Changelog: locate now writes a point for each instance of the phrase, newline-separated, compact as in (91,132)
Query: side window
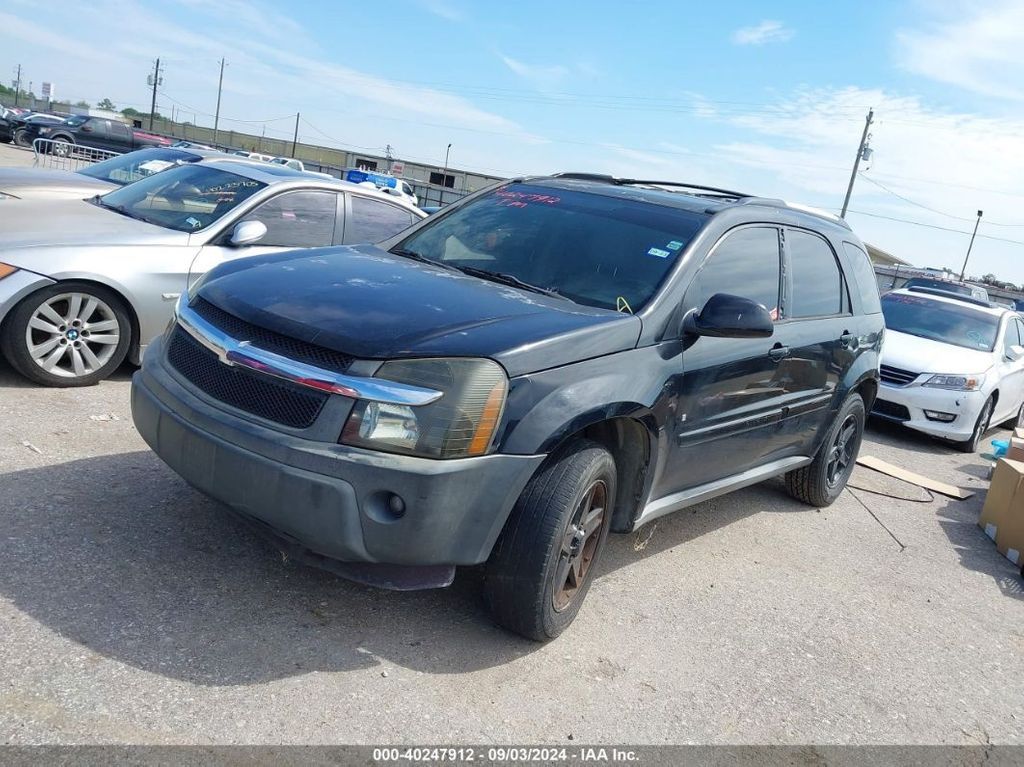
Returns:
(374,220)
(815,276)
(97,125)
(118,130)
(1012,336)
(745,263)
(298,219)
(865,279)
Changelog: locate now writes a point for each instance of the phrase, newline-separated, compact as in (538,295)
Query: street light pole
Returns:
(856,161)
(970,245)
(216,116)
(444,175)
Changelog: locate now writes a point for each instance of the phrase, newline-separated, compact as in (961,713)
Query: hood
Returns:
(40,183)
(369,303)
(75,223)
(922,355)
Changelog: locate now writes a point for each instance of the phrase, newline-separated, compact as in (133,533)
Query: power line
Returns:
(925,207)
(934,226)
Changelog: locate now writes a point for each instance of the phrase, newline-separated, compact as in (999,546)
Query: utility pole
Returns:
(17,86)
(388,156)
(856,161)
(970,245)
(444,175)
(154,79)
(216,116)
(295,139)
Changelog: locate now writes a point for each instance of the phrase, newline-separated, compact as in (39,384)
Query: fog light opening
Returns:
(938,415)
(385,506)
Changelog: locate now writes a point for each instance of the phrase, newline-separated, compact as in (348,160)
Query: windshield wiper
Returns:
(510,279)
(124,210)
(421,258)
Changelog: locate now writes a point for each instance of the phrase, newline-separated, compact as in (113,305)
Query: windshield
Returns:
(187,198)
(597,250)
(949,287)
(941,321)
(131,167)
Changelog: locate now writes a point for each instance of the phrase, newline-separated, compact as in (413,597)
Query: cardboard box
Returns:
(1002,517)
(1016,450)
(1019,432)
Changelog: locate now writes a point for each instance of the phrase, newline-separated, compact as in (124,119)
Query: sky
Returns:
(765,98)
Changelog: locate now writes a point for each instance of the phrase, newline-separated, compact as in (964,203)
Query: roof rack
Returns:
(950,294)
(649,182)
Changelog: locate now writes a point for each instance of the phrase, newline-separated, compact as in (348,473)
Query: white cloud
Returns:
(978,49)
(950,162)
(767,31)
(442,9)
(541,75)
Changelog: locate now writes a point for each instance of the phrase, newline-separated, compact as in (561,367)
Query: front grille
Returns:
(890,410)
(897,376)
(294,349)
(277,401)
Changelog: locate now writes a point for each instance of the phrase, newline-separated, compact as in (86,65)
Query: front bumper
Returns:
(328,498)
(966,405)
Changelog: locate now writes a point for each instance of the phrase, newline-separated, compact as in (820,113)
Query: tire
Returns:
(980,427)
(543,563)
(821,482)
(21,138)
(1016,420)
(89,322)
(62,146)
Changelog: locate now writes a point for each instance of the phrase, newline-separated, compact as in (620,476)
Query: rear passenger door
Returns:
(372,220)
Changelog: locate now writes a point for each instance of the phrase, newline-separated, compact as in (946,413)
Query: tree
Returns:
(106,104)
(83,104)
(129,112)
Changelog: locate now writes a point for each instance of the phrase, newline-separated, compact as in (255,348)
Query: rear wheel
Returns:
(68,334)
(543,563)
(980,427)
(821,482)
(21,138)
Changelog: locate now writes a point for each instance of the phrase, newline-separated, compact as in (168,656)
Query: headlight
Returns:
(461,423)
(6,270)
(959,383)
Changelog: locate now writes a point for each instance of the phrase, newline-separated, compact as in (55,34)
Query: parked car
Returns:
(951,367)
(948,286)
(517,375)
(98,178)
(93,132)
(86,283)
(17,128)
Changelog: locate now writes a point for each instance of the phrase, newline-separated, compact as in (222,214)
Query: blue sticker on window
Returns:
(658,252)
(674,245)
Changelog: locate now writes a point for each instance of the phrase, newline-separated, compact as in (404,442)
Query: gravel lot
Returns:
(134,610)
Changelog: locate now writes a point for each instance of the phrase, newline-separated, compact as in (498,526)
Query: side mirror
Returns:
(247,233)
(1015,352)
(86,129)
(728,316)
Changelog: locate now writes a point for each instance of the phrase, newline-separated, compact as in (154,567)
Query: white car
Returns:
(952,366)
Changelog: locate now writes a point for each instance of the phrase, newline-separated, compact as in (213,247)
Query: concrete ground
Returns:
(132,609)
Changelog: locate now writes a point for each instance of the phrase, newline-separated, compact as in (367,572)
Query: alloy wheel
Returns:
(72,335)
(579,545)
(842,452)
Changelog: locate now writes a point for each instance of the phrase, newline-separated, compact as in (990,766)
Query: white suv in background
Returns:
(951,365)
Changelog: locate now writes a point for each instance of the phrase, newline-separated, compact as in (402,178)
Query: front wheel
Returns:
(821,482)
(21,138)
(542,565)
(62,146)
(68,334)
(980,427)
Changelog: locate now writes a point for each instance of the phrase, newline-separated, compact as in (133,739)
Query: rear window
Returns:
(600,251)
(943,321)
(864,277)
(128,168)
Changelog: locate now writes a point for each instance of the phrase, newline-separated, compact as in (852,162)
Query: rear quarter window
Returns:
(865,282)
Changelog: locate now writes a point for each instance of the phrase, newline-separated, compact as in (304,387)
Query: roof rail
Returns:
(650,182)
(950,294)
(774,202)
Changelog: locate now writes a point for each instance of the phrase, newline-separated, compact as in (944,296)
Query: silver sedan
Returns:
(85,284)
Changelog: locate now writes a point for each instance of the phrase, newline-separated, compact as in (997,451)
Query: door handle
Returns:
(846,339)
(778,352)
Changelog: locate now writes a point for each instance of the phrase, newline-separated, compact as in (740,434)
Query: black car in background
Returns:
(517,376)
(19,127)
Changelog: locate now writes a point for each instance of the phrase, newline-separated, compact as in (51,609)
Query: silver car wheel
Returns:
(61,148)
(72,335)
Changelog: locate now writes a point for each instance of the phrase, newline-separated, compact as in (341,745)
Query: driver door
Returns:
(1011,372)
(298,219)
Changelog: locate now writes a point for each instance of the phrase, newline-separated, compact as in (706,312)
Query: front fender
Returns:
(17,286)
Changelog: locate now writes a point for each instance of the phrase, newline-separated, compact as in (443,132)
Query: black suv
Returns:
(546,361)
